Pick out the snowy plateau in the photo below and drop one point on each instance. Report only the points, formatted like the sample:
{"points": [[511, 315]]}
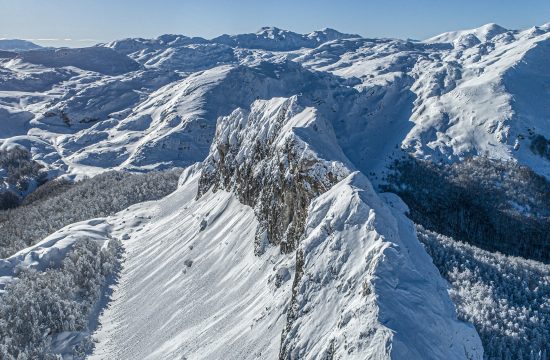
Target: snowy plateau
{"points": [[297, 229]]}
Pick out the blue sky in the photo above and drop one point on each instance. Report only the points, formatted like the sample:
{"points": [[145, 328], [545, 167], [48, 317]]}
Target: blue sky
{"points": [[84, 22]]}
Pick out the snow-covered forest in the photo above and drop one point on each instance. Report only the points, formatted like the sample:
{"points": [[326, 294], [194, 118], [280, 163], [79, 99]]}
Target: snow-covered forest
{"points": [[39, 305], [20, 174], [496, 205], [505, 297], [49, 209]]}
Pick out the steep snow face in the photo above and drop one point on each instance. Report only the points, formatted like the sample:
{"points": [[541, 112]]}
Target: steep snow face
{"points": [[190, 284], [527, 81], [359, 266], [365, 288], [277, 247], [361, 295], [192, 287], [483, 111]]}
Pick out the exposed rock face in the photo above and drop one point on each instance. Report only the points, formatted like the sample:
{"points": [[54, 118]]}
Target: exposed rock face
{"points": [[270, 168]]}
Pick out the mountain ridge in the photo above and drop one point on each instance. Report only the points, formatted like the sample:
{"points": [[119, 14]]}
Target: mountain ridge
{"points": [[279, 241], [17, 45]]}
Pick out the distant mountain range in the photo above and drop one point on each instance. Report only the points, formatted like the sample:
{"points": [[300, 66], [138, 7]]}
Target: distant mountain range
{"points": [[17, 45]]}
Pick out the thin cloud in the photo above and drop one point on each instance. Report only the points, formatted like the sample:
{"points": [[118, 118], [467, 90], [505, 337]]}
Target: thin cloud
{"points": [[43, 39], [67, 39]]}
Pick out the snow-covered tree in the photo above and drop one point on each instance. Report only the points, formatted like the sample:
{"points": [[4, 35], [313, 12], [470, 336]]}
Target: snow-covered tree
{"points": [[37, 305], [505, 297], [61, 204]]}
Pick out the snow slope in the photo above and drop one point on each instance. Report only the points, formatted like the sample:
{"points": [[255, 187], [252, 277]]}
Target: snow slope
{"points": [[204, 294], [193, 285], [455, 95], [226, 300], [367, 288]]}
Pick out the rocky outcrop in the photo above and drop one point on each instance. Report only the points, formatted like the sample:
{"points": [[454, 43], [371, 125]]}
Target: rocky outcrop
{"points": [[260, 156]]}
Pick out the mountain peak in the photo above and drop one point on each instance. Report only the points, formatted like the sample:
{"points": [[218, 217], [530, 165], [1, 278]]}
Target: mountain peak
{"points": [[329, 34], [489, 31], [276, 39], [483, 33], [265, 29]]}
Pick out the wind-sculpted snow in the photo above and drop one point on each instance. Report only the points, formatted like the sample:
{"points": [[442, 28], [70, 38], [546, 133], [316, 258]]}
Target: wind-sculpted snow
{"points": [[352, 279], [176, 124], [364, 287], [123, 121], [102, 99], [352, 252], [470, 91], [456, 95], [191, 286]]}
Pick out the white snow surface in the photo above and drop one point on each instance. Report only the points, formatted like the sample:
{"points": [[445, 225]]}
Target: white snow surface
{"points": [[203, 294], [369, 290], [190, 285], [189, 293], [475, 92]]}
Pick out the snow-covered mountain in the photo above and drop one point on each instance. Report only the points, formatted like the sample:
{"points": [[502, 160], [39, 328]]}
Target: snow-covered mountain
{"points": [[275, 39], [449, 97], [17, 45], [206, 272], [278, 243]]}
